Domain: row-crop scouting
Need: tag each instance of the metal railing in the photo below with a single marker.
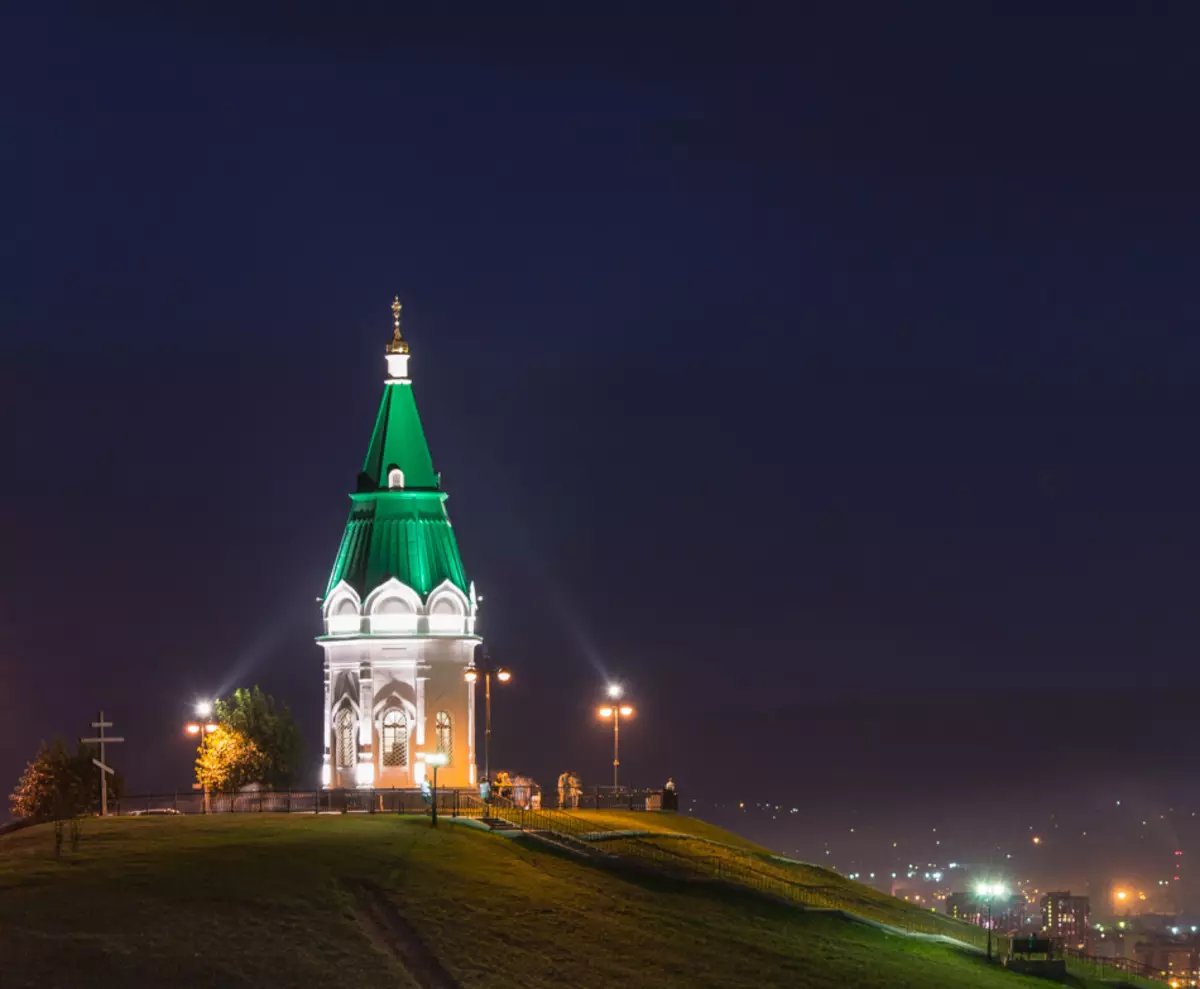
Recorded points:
(451, 802)
(1081, 963)
(612, 798)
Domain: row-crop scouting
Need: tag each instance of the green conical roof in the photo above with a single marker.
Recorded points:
(398, 441)
(401, 532)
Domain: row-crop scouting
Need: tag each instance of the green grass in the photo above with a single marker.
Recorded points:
(634, 820)
(721, 849)
(279, 901)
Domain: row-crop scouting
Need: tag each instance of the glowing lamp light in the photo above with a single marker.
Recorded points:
(1037, 840)
(193, 729)
(626, 711)
(503, 674)
(988, 890)
(203, 709)
(436, 759)
(615, 690)
(1121, 894)
(605, 712)
(471, 674)
(211, 727)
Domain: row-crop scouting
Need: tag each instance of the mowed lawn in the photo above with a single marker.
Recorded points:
(281, 901)
(633, 820)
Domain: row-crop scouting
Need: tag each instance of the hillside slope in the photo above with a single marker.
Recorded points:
(280, 901)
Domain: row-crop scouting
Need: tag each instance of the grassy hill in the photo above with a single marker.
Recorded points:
(281, 901)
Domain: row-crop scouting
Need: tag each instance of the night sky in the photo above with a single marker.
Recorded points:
(829, 379)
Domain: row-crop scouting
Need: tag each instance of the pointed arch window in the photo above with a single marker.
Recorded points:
(443, 735)
(394, 738)
(347, 751)
(395, 478)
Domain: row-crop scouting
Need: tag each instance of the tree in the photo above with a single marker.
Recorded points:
(60, 784)
(270, 728)
(228, 760)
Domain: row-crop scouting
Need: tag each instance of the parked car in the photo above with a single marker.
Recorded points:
(154, 812)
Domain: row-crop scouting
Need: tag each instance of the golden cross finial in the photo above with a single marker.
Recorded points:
(398, 345)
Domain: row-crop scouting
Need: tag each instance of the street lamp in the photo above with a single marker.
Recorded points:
(435, 759)
(987, 892)
(616, 713)
(471, 675)
(203, 727)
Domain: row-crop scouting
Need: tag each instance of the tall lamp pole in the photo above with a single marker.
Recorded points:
(435, 759)
(616, 712)
(203, 726)
(471, 675)
(987, 892)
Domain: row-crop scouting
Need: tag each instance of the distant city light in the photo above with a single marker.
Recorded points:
(1037, 840)
(1121, 894)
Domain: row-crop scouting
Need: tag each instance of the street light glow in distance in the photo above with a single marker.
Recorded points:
(203, 709)
(615, 690)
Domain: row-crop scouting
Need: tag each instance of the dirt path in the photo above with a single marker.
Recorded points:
(391, 933)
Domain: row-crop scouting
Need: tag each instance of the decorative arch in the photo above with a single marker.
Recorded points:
(393, 607)
(443, 735)
(390, 590)
(393, 738)
(338, 597)
(447, 599)
(395, 478)
(447, 606)
(345, 737)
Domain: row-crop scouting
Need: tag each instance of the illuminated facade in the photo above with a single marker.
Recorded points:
(399, 614)
(1065, 916)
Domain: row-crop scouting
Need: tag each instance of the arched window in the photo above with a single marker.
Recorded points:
(443, 736)
(395, 738)
(347, 751)
(346, 606)
(395, 478)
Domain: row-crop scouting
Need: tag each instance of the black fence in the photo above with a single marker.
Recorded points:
(610, 798)
(456, 803)
(373, 801)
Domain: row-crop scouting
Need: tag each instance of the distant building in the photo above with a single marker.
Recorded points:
(963, 906)
(1005, 914)
(1065, 916)
(1173, 957)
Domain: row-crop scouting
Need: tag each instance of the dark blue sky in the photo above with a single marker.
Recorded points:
(770, 361)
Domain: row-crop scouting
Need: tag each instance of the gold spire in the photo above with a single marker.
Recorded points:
(398, 345)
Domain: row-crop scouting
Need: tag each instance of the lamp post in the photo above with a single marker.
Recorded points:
(471, 675)
(616, 712)
(987, 892)
(435, 759)
(203, 726)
